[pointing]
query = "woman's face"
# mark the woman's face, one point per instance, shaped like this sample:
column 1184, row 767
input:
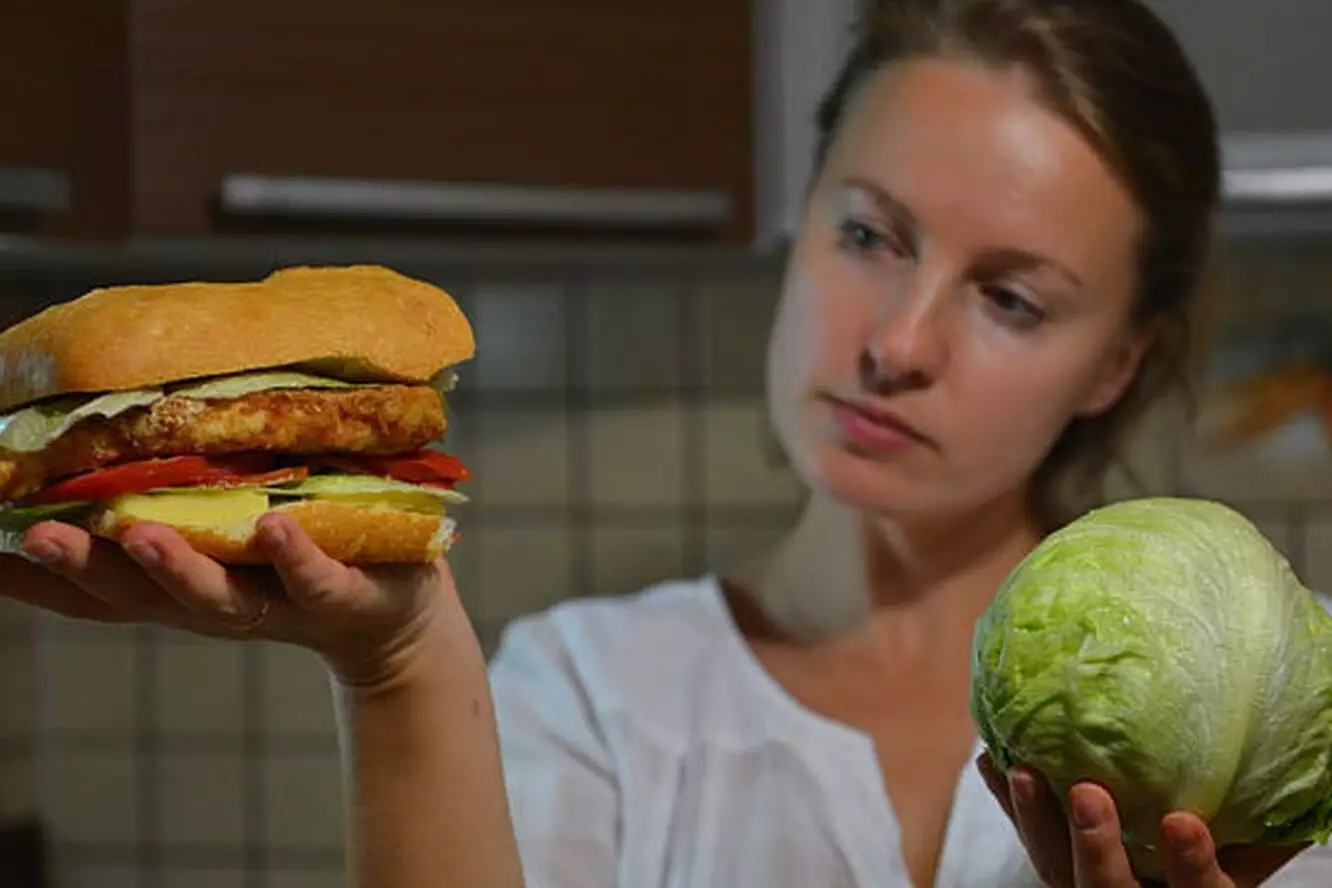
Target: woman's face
column 960, row 290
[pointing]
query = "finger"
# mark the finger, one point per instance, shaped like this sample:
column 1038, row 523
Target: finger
column 997, row 784
column 1099, row 858
column 1043, row 827
column 37, row 586
column 1251, row 865
column 99, row 568
column 197, row 583
column 1188, row 854
column 311, row 578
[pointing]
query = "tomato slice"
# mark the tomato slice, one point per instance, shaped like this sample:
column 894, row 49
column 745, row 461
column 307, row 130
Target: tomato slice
column 428, row 467
column 425, row 467
column 262, row 479
column 148, row 474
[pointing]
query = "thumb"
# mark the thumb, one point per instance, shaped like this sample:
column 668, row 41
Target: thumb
column 312, row 580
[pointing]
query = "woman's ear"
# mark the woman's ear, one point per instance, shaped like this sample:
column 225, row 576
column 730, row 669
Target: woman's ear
column 1118, row 371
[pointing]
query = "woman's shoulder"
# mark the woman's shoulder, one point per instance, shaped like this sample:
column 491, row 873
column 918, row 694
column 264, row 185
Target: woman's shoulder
column 648, row 655
column 667, row 619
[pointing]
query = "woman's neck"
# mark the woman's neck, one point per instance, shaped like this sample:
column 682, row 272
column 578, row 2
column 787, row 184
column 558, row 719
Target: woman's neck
column 841, row 571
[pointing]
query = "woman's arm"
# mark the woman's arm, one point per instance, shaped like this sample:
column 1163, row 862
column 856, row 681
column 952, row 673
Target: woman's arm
column 427, row 806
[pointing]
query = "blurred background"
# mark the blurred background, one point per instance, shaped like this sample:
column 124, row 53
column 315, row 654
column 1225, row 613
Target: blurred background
column 607, row 188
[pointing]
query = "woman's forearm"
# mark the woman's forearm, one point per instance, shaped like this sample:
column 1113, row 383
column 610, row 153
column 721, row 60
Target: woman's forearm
column 426, row 804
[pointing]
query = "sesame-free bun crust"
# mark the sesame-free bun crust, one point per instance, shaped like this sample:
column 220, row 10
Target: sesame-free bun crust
column 350, row 534
column 364, row 323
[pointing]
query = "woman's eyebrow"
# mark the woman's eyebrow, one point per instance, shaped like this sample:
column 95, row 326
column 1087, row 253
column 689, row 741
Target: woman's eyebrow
column 1014, row 259
column 883, row 200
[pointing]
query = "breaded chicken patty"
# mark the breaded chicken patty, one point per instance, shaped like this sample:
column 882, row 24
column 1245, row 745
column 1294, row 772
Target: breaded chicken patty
column 381, row 420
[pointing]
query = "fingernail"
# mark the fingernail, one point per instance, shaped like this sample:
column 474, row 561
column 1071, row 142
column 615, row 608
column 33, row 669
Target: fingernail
column 46, row 552
column 277, row 534
column 1019, row 786
column 1086, row 813
column 144, row 553
column 1180, row 839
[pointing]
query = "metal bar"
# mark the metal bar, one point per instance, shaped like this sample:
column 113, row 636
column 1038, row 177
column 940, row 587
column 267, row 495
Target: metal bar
column 33, row 188
column 1278, row 169
column 1279, row 187
column 274, row 196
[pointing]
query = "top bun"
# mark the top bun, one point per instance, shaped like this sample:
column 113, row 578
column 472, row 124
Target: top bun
column 362, row 323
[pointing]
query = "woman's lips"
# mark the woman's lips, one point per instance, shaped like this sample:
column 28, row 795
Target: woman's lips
column 873, row 430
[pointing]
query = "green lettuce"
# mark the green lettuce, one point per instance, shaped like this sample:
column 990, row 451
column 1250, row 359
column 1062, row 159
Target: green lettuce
column 1165, row 649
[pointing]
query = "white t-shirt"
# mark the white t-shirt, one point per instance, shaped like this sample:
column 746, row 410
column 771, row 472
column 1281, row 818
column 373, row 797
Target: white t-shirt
column 645, row 747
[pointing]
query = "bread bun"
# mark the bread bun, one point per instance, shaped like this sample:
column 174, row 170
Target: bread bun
column 350, row 534
column 363, row 323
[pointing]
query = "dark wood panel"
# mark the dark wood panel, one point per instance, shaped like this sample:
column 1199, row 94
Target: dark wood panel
column 585, row 92
column 62, row 89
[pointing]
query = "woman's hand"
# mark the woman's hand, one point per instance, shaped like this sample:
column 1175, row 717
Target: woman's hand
column 1084, row 849
column 364, row 622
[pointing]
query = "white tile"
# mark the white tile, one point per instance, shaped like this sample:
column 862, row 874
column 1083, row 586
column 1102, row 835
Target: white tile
column 305, row 879
column 634, row 333
column 637, row 455
column 17, row 690
column 201, row 799
column 464, row 559
column 522, row 457
column 89, row 797
column 628, row 559
column 741, row 468
column 1277, row 528
column 521, row 570
column 15, row 616
column 53, row 628
column 732, row 547
column 1318, row 555
column 69, row 874
column 18, row 790
column 297, row 695
column 212, row 878
column 199, row 688
column 738, row 313
column 303, row 804
column 88, row 686
column 520, row 341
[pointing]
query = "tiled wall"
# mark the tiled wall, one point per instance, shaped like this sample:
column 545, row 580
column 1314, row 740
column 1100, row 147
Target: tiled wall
column 615, row 425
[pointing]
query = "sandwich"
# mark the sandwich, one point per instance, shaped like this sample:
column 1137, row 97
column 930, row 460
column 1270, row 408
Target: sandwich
column 319, row 393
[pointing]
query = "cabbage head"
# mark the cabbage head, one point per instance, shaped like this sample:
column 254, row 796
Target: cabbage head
column 1163, row 648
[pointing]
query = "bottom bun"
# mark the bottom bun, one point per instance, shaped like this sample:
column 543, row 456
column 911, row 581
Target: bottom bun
column 350, row 534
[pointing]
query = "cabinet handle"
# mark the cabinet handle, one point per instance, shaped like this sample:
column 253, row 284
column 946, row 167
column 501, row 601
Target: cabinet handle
column 1278, row 169
column 33, row 189
column 306, row 196
column 1306, row 186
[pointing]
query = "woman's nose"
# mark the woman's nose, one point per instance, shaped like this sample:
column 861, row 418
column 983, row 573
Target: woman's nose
column 909, row 346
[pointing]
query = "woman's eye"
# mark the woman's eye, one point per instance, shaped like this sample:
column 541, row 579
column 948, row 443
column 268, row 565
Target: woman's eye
column 1013, row 306
column 857, row 237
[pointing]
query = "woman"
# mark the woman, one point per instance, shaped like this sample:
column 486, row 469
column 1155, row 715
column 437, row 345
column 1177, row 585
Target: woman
column 999, row 271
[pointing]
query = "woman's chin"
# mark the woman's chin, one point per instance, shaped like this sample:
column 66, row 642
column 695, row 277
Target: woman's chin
column 878, row 487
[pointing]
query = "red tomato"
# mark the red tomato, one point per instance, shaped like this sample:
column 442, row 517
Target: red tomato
column 263, row 479
column 428, row 467
column 149, row 474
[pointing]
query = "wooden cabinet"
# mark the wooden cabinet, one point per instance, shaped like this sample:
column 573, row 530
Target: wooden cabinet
column 309, row 116
column 63, row 163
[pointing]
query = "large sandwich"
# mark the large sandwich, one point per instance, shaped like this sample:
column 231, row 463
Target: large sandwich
column 316, row 392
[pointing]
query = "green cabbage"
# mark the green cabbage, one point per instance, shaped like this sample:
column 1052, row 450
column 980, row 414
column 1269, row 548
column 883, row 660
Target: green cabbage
column 1163, row 648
